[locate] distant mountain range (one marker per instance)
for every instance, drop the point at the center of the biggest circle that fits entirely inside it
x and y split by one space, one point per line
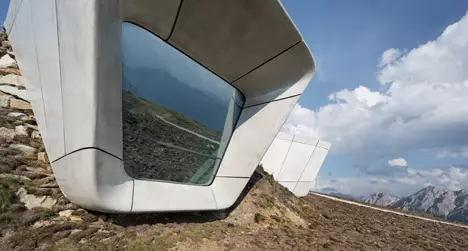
380 199
442 203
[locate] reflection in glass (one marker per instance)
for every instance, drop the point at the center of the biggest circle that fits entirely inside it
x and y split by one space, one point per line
177 116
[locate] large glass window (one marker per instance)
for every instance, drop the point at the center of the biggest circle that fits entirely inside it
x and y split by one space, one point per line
177 116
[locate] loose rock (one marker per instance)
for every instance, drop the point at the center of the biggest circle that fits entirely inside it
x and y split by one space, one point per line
18 115
12 90
21 130
20 104
7 62
32 201
11 79
35 135
4 100
42 157
7 133
23 148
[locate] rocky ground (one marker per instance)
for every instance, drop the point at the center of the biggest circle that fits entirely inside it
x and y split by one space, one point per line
34 215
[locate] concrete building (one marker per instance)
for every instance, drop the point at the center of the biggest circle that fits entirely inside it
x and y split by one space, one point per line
157 105
295 160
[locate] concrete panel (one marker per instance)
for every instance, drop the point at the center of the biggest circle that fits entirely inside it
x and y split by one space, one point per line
284 76
94 180
305 140
11 15
294 164
314 164
45 37
25 48
227 190
164 196
286 136
158 16
288 184
232 38
108 82
255 131
275 156
324 144
302 188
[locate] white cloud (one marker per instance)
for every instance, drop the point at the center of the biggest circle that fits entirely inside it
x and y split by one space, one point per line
452 178
461 152
422 104
389 56
400 162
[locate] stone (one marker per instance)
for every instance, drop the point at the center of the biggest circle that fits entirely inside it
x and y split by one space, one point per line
6 44
5 71
11 79
21 130
20 104
74 231
7 133
23 148
4 100
14 91
18 115
75 218
32 201
14 176
35 135
34 127
66 213
7 62
39 224
42 157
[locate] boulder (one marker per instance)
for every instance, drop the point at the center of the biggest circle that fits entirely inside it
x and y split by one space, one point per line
11 79
21 130
32 201
7 62
20 104
23 148
7 133
12 90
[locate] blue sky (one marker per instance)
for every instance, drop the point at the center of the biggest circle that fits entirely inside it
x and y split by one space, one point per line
389 92
348 39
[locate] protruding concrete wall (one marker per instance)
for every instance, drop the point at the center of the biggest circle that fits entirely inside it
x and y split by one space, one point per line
69 53
294 161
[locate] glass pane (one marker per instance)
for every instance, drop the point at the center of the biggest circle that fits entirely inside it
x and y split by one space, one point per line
177 116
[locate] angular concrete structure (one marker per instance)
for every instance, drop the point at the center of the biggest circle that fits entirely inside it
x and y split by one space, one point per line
93 107
295 160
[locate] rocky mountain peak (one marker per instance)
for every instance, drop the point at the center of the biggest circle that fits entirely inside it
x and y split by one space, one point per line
380 199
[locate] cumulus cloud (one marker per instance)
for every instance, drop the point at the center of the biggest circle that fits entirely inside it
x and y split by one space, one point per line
412 180
389 56
397 162
422 103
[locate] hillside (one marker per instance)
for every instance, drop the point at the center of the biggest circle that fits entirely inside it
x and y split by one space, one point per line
34 214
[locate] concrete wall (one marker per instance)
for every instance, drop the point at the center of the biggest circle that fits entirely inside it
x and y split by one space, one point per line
69 53
295 160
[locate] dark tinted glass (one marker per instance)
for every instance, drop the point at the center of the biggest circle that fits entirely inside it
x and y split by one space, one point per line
177 116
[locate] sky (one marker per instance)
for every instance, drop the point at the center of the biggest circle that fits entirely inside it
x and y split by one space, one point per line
389 92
